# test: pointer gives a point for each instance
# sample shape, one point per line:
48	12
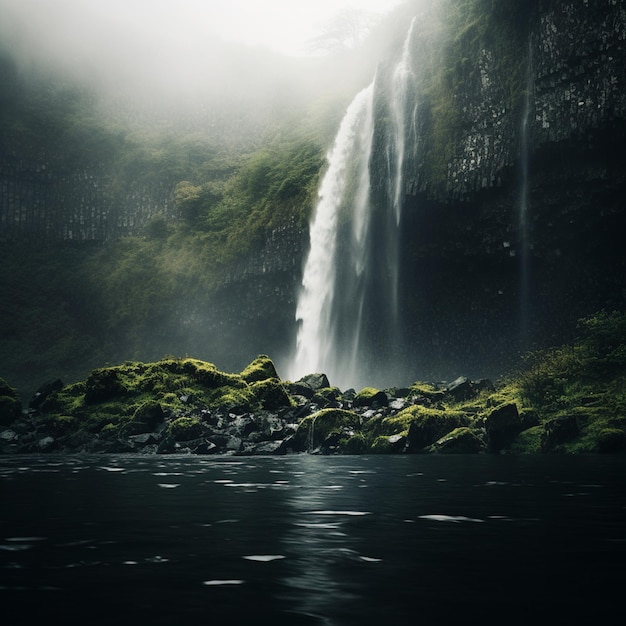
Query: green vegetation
474	31
136	397
569	399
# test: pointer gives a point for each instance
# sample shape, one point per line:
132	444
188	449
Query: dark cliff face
514	182
514	187
517	237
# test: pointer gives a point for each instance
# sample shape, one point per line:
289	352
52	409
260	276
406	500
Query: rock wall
41	198
473	271
549	89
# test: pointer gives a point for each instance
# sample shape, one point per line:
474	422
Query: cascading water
523	222
402	80
350	281
315	348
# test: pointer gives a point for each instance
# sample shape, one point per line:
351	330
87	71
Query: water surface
311	540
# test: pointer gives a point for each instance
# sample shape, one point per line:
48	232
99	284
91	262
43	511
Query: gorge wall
520	105
527	106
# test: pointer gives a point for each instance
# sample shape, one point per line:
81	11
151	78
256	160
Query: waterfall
402	79
315	340
311	441
523	219
348	303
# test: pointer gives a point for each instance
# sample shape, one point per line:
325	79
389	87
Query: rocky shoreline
186	406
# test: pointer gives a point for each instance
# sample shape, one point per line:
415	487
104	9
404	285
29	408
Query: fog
187	53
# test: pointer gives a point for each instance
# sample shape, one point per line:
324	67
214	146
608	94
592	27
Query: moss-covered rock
369	396
528	441
422	425
271	394
502	424
185	428
314	430
10	404
147	417
261	368
388	444
463	440
102	385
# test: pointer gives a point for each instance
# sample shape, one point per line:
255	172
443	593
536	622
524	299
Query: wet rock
44	391
397	443
502	425
315	381
462	440
145	419
301	389
46	443
559	431
102	385
427	429
268	447
144	439
461	389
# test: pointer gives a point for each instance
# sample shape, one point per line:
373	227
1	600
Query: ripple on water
333	512
450	518
264	558
218	582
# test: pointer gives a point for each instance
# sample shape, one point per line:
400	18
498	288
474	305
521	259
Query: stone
559	431
44	391
45	443
462	440
461	389
8	435
315	381
502	425
268	447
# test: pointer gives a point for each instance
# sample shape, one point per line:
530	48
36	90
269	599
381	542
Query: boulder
558	431
462	440
502	425
315	381
103	384
44	391
300	389
461	389
146	419
10	410
425	429
370	397
267	447
261	368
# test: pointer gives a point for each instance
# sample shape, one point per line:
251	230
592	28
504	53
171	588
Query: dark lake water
312	540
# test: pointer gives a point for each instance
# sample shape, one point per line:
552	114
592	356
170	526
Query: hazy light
284	26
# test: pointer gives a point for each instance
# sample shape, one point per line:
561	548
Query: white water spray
315	335
524	234
351	275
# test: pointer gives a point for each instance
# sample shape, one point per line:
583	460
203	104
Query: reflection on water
311	540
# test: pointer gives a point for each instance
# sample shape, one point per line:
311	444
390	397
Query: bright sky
283	25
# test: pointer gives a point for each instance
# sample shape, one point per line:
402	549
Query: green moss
369	396
381	445
261	368
356	444
271	394
461	440
528	441
400	423
185	428
425	390
10	410
316	428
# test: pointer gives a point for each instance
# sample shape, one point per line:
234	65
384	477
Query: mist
181	59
